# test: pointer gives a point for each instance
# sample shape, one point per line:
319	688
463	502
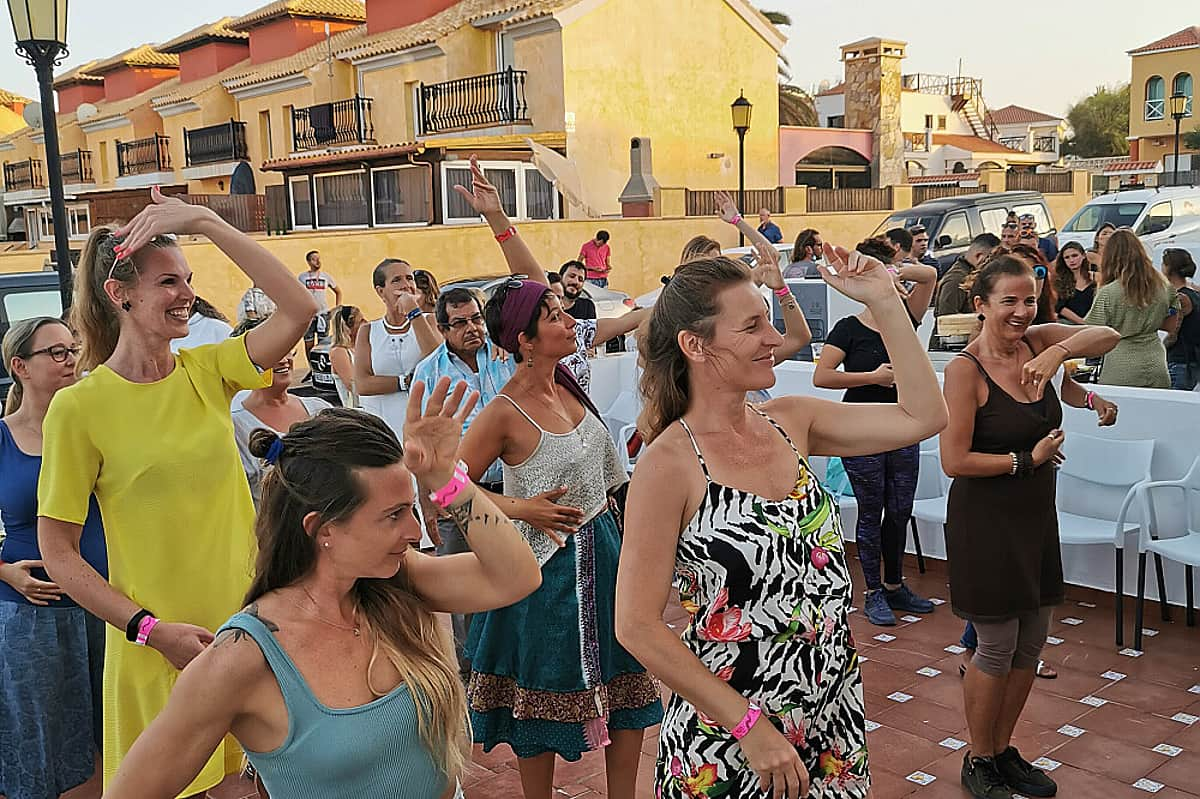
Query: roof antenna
329	60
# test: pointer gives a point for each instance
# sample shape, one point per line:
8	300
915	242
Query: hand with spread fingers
163	216
544	513
431	437
767	272
858	276
19	576
726	208
482	196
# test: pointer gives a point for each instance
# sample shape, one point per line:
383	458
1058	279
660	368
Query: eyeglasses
463	321
58	353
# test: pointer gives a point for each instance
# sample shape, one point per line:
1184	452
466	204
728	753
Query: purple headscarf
521	306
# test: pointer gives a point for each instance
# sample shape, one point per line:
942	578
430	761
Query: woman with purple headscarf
547	674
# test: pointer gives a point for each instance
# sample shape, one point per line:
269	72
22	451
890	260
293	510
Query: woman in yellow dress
150	434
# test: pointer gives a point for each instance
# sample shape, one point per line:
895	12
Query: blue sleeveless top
18	510
373	751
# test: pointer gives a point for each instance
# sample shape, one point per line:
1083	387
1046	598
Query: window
28	304
1155	94
302	210
524	193
993	219
401	195
103	175
955	232
837	121
1182	84
941	121
504	51
80	221
342	199
265	146
1158	220
1091	217
929	121
1039	216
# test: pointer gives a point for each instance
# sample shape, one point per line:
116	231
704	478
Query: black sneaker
1022	776
980	777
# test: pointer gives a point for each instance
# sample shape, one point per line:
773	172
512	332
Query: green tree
795	105
1191	139
1100	124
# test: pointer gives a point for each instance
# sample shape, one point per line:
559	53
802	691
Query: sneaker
877	610
1022	776
904	600
980	777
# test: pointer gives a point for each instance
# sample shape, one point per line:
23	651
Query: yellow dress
178	518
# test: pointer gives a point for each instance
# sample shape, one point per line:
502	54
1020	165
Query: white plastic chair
930	503
1115	464
1183	548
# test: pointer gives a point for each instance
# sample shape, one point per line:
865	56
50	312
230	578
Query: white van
1161	218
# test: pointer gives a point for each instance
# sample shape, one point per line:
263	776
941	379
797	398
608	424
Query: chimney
637	198
873	87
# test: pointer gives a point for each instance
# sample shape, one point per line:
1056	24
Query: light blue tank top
373	751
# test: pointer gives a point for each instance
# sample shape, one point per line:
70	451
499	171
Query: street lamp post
40	28
741	109
1178	102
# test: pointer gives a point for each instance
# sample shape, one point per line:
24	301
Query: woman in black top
1183	349
1073	284
884	484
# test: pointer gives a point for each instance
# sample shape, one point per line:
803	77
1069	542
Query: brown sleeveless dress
1002	532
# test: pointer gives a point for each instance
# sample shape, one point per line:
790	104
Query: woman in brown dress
1001	447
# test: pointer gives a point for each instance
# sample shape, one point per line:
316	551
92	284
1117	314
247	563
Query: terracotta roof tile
973	144
142	56
953	177
451	19
80	74
344	10
12	98
1019	115
1188	37
218	31
297	62
1132	166
181	92
372	151
833	90
122	107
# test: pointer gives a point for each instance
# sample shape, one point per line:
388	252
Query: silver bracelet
1016	464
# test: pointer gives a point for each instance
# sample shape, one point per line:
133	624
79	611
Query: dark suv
24	295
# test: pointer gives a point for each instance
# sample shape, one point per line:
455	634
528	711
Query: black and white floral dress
768	590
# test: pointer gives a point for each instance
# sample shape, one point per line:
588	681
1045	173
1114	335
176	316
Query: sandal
1045	671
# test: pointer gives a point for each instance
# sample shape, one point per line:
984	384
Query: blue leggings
884	486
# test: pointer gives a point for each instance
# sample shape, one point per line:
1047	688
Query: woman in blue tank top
336	678
51	650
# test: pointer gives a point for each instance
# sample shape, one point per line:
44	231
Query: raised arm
485	199
728	211
796	334
295	307
924	280
658	502
836	428
612	327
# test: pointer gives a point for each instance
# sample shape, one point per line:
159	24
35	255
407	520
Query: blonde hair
1125	261
92	315
342	327
16	345
699	247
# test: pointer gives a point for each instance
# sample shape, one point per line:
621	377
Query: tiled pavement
1133	706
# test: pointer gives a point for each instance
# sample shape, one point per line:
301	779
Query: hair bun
261	441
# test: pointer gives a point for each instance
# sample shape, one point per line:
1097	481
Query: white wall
829	105
915	105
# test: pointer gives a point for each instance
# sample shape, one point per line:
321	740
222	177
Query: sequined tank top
584	460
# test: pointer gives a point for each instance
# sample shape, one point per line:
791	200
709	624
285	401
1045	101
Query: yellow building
1158	70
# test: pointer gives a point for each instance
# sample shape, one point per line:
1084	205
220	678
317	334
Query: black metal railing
77	167
497	98
1045	144
215	144
24	175
138	157
331	124
1186	177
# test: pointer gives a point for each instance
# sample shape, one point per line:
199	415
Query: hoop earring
126	306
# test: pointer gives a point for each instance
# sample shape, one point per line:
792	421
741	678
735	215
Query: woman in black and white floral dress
767	693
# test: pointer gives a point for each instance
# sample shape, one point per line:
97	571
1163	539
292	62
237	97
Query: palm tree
795	105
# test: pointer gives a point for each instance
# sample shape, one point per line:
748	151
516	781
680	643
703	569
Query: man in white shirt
317	283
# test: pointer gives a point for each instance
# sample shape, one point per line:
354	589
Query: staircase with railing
966	98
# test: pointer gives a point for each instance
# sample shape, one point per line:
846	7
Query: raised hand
483	196
19	576
767	271
859	277
164	215
431	437
726	208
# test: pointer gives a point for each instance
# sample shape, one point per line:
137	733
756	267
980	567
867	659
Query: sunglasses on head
917	230
1039	272
1010	225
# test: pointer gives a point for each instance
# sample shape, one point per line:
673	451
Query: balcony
333	124
1013	143
479	101
25	175
144	156
215	144
77	167
1045	144
915	143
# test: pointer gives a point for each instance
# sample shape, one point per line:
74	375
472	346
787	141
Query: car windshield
906	221
1091	217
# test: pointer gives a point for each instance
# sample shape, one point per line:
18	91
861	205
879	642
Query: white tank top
349	399
393	354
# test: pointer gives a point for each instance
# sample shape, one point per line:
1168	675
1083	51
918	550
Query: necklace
403	327
352	627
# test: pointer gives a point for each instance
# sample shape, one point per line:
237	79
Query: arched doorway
834	168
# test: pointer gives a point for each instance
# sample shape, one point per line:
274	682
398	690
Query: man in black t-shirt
574	278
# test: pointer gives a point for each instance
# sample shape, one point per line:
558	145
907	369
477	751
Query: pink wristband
145	627
736	218
1091	401
449	492
743	728
783	292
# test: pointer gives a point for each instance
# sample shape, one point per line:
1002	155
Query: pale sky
1063	51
